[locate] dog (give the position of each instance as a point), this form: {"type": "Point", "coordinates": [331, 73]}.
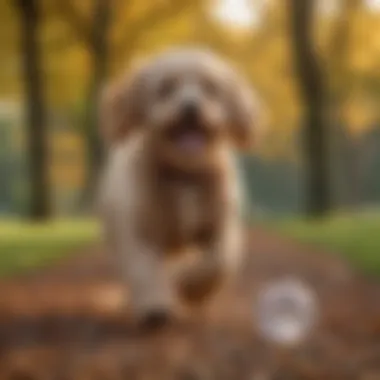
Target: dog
{"type": "Point", "coordinates": [170, 193]}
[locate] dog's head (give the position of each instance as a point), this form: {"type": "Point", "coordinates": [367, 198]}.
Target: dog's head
{"type": "Point", "coordinates": [188, 103]}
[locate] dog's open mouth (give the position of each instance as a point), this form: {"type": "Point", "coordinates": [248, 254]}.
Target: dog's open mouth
{"type": "Point", "coordinates": [189, 138]}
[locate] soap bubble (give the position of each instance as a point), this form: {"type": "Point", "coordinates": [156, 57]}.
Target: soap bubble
{"type": "Point", "coordinates": [286, 311]}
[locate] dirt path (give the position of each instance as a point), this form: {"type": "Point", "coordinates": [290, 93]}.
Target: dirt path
{"type": "Point", "coordinates": [67, 323]}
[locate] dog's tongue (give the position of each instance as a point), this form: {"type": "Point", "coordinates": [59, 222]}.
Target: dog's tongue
{"type": "Point", "coordinates": [191, 141]}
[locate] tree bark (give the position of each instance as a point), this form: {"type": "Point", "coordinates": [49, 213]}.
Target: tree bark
{"type": "Point", "coordinates": [316, 120]}
{"type": "Point", "coordinates": [35, 110]}
{"type": "Point", "coordinates": [99, 61]}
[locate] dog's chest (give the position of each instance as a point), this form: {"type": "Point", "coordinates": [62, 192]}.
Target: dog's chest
{"type": "Point", "coordinates": [182, 213]}
{"type": "Point", "coordinates": [189, 213]}
{"type": "Point", "coordinates": [189, 209]}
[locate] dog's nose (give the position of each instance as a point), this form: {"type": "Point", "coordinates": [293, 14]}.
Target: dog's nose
{"type": "Point", "coordinates": [190, 111]}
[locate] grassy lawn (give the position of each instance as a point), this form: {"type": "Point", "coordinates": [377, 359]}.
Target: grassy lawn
{"type": "Point", "coordinates": [24, 245]}
{"type": "Point", "coordinates": [355, 237]}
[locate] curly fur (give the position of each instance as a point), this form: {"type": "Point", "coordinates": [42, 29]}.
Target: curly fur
{"type": "Point", "coordinates": [171, 214]}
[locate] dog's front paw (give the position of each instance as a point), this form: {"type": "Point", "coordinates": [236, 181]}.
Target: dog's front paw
{"type": "Point", "coordinates": [155, 318]}
{"type": "Point", "coordinates": [199, 282]}
{"type": "Point", "coordinates": [155, 315]}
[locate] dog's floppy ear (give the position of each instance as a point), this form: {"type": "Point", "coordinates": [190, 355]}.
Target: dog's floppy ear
{"type": "Point", "coordinates": [122, 106]}
{"type": "Point", "coordinates": [245, 113]}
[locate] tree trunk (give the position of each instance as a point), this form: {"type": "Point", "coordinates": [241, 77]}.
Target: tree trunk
{"type": "Point", "coordinates": [35, 110]}
{"type": "Point", "coordinates": [313, 90]}
{"type": "Point", "coordinates": [98, 51]}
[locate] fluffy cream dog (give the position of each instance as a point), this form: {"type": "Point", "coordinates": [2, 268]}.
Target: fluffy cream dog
{"type": "Point", "coordinates": [170, 192]}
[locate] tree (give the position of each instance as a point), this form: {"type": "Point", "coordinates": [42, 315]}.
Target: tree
{"type": "Point", "coordinates": [343, 84]}
{"type": "Point", "coordinates": [98, 48]}
{"type": "Point", "coordinates": [314, 96]}
{"type": "Point", "coordinates": [95, 34]}
{"type": "Point", "coordinates": [29, 12]}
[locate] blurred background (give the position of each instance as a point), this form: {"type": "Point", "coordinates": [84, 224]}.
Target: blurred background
{"type": "Point", "coordinates": [315, 64]}
{"type": "Point", "coordinates": [314, 179]}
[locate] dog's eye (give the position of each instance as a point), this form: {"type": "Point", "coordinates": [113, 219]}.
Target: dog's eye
{"type": "Point", "coordinates": [166, 88]}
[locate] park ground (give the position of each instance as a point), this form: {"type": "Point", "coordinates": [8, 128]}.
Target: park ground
{"type": "Point", "coordinates": [61, 316]}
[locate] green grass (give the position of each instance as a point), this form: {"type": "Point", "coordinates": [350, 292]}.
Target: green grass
{"type": "Point", "coordinates": [357, 238]}
{"type": "Point", "coordinates": [25, 245]}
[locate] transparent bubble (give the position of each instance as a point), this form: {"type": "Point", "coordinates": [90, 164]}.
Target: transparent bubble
{"type": "Point", "coordinates": [286, 311]}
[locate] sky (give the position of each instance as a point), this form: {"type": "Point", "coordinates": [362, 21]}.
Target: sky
{"type": "Point", "coordinates": [246, 13]}
{"type": "Point", "coordinates": [237, 12]}
{"type": "Point", "coordinates": [374, 4]}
